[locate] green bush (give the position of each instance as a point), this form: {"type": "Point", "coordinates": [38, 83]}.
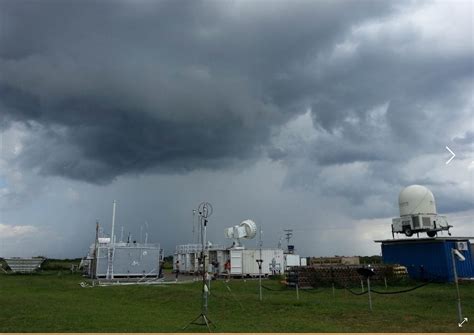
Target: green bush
{"type": "Point", "coordinates": [59, 264]}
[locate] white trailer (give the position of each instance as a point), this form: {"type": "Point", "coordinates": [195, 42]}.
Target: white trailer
{"type": "Point", "coordinates": [188, 257]}
{"type": "Point", "coordinates": [292, 260]}
{"type": "Point", "coordinates": [244, 261]}
{"type": "Point", "coordinates": [430, 224]}
{"type": "Point", "coordinates": [418, 213]}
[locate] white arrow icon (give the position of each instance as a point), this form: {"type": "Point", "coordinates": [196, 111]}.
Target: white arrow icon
{"type": "Point", "coordinates": [453, 155]}
{"type": "Point", "coordinates": [460, 324]}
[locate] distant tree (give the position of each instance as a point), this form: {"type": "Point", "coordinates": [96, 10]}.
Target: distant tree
{"type": "Point", "coordinates": [375, 259]}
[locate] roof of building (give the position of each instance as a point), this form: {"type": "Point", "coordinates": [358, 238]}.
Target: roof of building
{"type": "Point", "coordinates": [425, 239]}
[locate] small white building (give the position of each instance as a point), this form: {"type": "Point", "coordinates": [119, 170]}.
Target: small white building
{"type": "Point", "coordinates": [243, 262]}
{"type": "Point", "coordinates": [123, 260]}
{"type": "Point", "coordinates": [110, 259]}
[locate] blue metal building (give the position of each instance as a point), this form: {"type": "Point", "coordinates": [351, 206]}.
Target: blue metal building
{"type": "Point", "coordinates": [430, 258]}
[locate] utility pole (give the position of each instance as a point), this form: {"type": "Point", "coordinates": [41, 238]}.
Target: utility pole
{"type": "Point", "coordinates": [260, 261]}
{"type": "Point", "coordinates": [457, 286]}
{"type": "Point", "coordinates": [288, 234]}
{"type": "Point", "coordinates": [94, 259]}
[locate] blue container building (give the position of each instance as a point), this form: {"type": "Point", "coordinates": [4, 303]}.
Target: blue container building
{"type": "Point", "coordinates": [430, 258]}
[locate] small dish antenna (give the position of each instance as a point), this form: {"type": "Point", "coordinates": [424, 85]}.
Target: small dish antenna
{"type": "Point", "coordinates": [246, 229]}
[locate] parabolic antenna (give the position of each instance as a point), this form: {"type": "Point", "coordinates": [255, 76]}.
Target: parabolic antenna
{"type": "Point", "coordinates": [246, 229]}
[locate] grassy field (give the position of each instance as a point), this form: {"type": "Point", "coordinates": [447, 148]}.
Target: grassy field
{"type": "Point", "coordinates": [55, 302]}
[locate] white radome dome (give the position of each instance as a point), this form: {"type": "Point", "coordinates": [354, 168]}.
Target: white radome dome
{"type": "Point", "coordinates": [416, 199]}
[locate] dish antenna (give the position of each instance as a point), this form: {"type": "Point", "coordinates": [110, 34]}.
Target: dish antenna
{"type": "Point", "coordinates": [246, 229]}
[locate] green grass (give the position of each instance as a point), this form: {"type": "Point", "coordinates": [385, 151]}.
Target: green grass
{"type": "Point", "coordinates": [49, 302]}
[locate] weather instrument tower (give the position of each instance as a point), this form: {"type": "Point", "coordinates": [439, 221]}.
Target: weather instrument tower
{"type": "Point", "coordinates": [204, 212]}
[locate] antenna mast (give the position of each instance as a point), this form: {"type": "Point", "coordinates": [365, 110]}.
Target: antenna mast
{"type": "Point", "coordinates": [112, 236]}
{"type": "Point", "coordinates": [194, 215]}
{"type": "Point", "coordinates": [111, 249]}
{"type": "Point", "coordinates": [259, 262]}
{"type": "Point", "coordinates": [288, 234]}
{"type": "Point", "coordinates": [94, 259]}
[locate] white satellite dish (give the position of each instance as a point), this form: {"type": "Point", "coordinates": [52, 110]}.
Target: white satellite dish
{"type": "Point", "coordinates": [246, 229]}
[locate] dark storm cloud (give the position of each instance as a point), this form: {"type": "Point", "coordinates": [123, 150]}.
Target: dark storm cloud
{"type": "Point", "coordinates": [109, 89]}
{"type": "Point", "coordinates": [124, 87]}
{"type": "Point", "coordinates": [122, 144]}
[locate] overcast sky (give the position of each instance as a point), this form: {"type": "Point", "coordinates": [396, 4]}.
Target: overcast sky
{"type": "Point", "coordinates": [303, 115]}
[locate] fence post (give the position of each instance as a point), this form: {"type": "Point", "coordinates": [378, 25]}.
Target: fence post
{"type": "Point", "coordinates": [332, 279]}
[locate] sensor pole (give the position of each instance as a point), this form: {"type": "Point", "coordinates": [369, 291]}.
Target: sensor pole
{"type": "Point", "coordinates": [370, 295]}
{"type": "Point", "coordinates": [204, 211]}
{"type": "Point", "coordinates": [457, 286]}
{"type": "Point", "coordinates": [259, 262]}
{"type": "Point", "coordinates": [367, 273]}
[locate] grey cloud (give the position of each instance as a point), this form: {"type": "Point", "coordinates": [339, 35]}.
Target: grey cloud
{"type": "Point", "coordinates": [171, 87]}
{"type": "Point", "coordinates": [382, 101]}
{"type": "Point", "coordinates": [159, 86]}
{"type": "Point", "coordinates": [467, 139]}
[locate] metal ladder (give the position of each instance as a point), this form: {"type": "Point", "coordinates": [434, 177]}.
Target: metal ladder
{"type": "Point", "coordinates": [110, 263]}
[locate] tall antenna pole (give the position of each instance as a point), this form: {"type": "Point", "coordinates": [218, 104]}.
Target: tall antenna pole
{"type": "Point", "coordinates": [94, 259]}
{"type": "Point", "coordinates": [289, 234]}
{"type": "Point", "coordinates": [112, 236]}
{"type": "Point", "coordinates": [111, 250]}
{"type": "Point", "coordinates": [194, 215]}
{"type": "Point", "coordinates": [204, 268]}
